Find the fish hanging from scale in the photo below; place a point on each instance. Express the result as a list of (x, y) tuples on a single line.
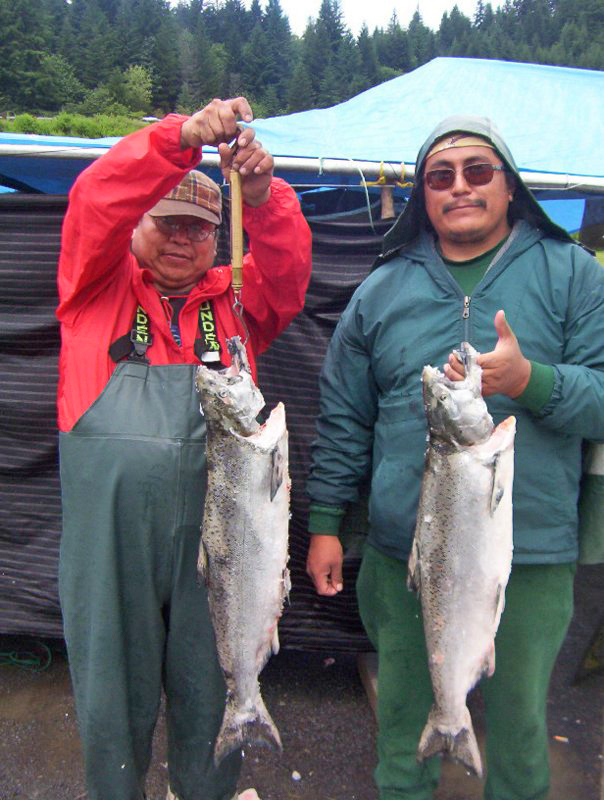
[(462, 551), (243, 551)]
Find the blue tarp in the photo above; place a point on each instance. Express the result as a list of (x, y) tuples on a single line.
[(551, 117), (565, 213)]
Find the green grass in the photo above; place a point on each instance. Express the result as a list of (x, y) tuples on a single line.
[(600, 256), (64, 124)]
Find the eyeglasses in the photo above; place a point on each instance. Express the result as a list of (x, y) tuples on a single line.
[(196, 231), (474, 175)]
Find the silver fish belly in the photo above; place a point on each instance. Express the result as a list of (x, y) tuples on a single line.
[(244, 542), (462, 551)]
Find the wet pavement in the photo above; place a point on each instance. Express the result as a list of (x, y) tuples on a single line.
[(323, 712)]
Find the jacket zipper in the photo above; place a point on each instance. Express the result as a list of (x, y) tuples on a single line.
[(466, 318), (467, 298)]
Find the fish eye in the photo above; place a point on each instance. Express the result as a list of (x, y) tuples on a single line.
[(223, 393), (443, 397)]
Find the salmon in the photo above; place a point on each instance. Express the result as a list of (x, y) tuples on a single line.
[(462, 551), (243, 551)]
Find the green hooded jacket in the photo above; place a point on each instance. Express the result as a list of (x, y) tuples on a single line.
[(411, 312)]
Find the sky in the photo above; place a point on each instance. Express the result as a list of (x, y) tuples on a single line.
[(376, 13)]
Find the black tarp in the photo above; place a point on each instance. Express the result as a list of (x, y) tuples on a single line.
[(30, 509), (344, 246)]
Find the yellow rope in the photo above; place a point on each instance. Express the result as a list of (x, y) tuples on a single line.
[(383, 181)]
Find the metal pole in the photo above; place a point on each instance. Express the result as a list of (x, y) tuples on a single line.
[(368, 170)]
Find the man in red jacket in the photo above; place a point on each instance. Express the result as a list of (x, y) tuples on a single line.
[(140, 307)]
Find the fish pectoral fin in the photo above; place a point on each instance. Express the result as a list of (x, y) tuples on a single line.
[(413, 571), (499, 602), (287, 584), (277, 471), (497, 487), (275, 646), (202, 563), (490, 661)]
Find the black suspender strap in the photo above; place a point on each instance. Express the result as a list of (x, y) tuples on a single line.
[(134, 345), (207, 346)]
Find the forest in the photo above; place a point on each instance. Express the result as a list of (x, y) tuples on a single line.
[(148, 57)]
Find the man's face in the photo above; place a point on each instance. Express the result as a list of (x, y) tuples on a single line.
[(176, 261), (465, 214)]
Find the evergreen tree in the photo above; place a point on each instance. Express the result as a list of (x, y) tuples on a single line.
[(349, 69), (393, 47), (369, 63), (255, 14), (329, 88), (300, 95), (317, 54), (109, 9), (51, 50), (188, 13), (164, 67), (54, 12), (255, 72), (454, 33), (479, 14), (21, 53), (421, 40), (330, 18), (137, 23), (89, 42), (279, 51), (204, 66)]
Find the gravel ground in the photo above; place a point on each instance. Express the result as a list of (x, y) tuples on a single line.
[(322, 711)]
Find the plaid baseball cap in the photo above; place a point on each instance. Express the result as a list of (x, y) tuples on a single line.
[(196, 196)]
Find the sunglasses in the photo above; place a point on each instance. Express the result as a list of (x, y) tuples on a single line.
[(196, 231), (474, 175)]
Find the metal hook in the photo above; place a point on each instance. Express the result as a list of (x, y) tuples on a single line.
[(238, 311)]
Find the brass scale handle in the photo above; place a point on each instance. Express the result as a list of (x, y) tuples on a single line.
[(237, 248), (236, 232)]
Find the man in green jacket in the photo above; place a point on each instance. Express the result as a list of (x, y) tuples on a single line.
[(472, 258)]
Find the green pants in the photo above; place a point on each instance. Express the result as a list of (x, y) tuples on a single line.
[(539, 606), (135, 615)]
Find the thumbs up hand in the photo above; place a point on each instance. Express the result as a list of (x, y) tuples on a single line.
[(504, 370)]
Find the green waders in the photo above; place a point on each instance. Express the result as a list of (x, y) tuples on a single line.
[(539, 606), (133, 479)]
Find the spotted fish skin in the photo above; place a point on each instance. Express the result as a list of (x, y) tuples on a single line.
[(243, 551), (462, 551)]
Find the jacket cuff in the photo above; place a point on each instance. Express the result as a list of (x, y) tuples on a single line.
[(539, 389), (325, 519), (282, 202), (165, 135)]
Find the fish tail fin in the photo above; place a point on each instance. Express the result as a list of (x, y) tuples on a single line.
[(460, 743), (245, 725)]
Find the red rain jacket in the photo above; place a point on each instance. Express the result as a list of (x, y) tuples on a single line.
[(101, 283)]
